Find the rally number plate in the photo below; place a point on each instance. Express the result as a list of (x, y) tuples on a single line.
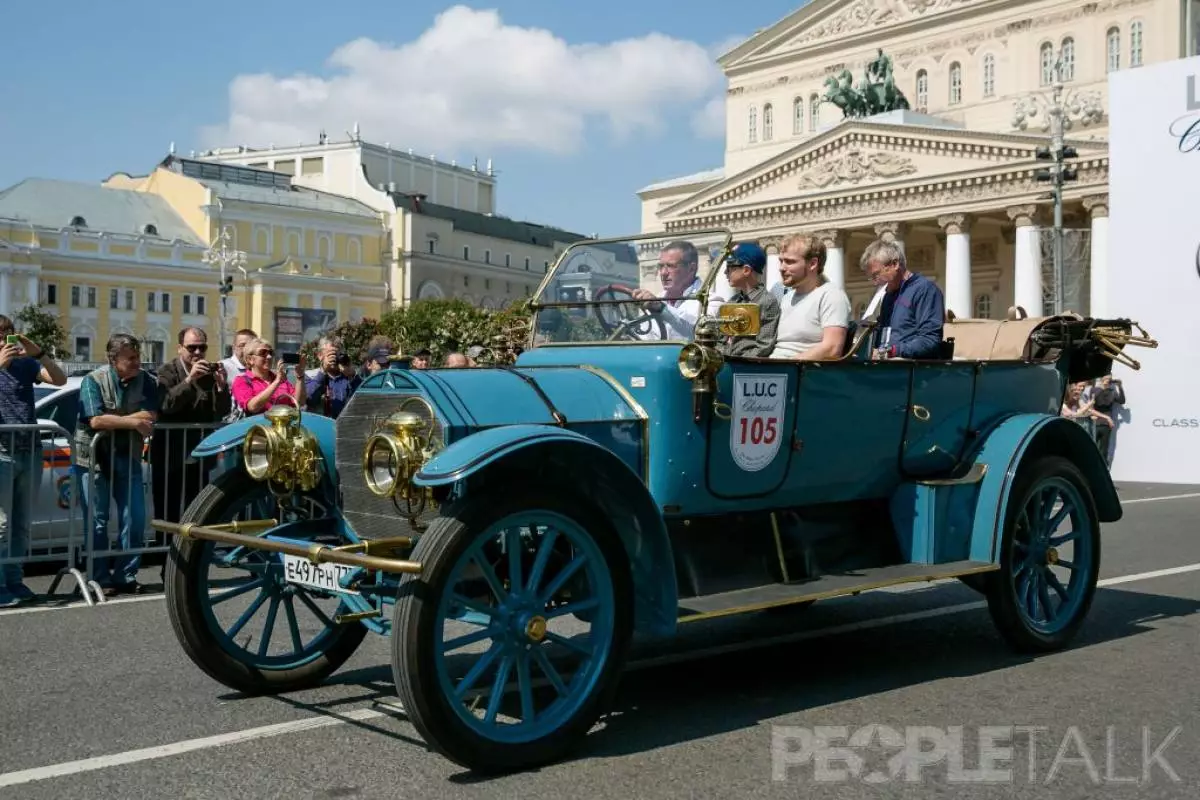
[(301, 571)]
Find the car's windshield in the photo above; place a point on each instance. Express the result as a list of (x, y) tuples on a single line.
[(605, 290)]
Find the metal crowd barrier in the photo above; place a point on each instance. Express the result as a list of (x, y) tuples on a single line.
[(38, 520), (136, 480), (133, 482)]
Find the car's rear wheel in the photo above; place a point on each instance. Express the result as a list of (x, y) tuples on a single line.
[(1047, 579)]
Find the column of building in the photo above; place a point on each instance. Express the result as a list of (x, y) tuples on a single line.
[(1097, 206), (958, 292), (1027, 267), (835, 256), (5, 291), (893, 232)]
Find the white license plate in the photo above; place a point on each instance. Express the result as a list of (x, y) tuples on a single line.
[(301, 571)]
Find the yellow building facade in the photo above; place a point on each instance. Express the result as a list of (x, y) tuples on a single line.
[(128, 256)]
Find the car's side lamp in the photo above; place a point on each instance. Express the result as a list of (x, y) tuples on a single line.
[(739, 319), (700, 363)]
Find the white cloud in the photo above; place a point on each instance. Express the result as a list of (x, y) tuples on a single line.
[(472, 82), (709, 122)]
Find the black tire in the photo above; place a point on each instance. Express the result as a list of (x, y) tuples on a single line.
[(1003, 604), (186, 594), (416, 615)]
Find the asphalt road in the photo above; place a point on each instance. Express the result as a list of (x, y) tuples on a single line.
[(101, 702)]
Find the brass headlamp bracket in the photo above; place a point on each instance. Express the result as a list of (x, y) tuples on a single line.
[(283, 453)]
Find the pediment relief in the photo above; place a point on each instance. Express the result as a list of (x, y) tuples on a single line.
[(864, 15), (855, 167)]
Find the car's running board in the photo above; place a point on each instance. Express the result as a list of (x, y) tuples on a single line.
[(742, 601)]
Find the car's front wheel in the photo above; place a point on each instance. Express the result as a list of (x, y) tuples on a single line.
[(509, 645)]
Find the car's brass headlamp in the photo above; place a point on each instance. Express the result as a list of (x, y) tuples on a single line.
[(283, 452), (398, 448)]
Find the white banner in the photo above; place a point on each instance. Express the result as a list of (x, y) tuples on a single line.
[(1154, 266)]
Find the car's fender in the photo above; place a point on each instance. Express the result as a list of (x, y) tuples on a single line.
[(1018, 440), (610, 483), (231, 436)]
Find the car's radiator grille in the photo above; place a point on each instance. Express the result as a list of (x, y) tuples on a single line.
[(372, 517)]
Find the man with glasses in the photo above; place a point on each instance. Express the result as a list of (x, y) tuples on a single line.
[(192, 391), (744, 270), (912, 314), (679, 309)]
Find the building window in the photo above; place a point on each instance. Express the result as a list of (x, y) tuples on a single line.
[(487, 256), (814, 112), (526, 263), (798, 115), (91, 294), (1112, 44), (466, 253), (955, 83), (52, 294), (83, 348), (1135, 44), (922, 90), (114, 298), (1068, 59), (129, 299), (75, 290), (151, 301), (983, 306), (768, 122), (508, 259), (432, 246), (1047, 56), (753, 125), (989, 75), (201, 302), (187, 304)]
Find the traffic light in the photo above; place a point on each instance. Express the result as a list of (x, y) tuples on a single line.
[(1058, 158)]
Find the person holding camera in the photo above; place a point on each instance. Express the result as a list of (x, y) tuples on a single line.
[(334, 382), (22, 364), (193, 391), (260, 387)]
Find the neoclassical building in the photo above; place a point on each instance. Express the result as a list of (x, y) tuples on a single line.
[(953, 178)]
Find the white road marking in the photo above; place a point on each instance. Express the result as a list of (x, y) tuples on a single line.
[(331, 719), (1159, 499), (149, 753)]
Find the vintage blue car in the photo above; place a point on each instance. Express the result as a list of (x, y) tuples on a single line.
[(514, 526)]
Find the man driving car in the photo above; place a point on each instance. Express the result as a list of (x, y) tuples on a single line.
[(678, 310)]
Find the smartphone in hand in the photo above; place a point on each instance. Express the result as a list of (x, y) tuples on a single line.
[(292, 359)]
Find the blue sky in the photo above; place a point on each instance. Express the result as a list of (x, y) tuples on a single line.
[(96, 88)]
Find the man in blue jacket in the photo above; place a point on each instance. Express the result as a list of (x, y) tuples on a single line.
[(913, 311)]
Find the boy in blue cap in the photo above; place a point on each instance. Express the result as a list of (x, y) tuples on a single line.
[(744, 269)]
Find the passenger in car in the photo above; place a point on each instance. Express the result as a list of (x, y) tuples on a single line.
[(913, 311), (814, 313), (744, 269)]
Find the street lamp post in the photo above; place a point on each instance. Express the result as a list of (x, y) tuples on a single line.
[(220, 255), (1087, 108)]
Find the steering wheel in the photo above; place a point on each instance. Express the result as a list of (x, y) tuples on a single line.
[(625, 316)]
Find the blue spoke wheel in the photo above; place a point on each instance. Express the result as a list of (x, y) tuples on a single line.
[(1049, 557), (509, 645), (233, 612)]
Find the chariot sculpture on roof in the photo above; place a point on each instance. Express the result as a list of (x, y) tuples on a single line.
[(876, 93)]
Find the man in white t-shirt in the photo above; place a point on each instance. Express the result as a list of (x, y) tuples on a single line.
[(678, 264), (814, 314)]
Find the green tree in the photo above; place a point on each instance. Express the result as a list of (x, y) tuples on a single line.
[(43, 329)]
